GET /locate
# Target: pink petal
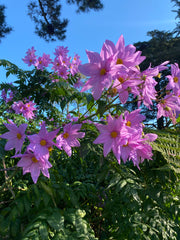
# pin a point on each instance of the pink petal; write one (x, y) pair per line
(35, 172)
(67, 149)
(89, 69)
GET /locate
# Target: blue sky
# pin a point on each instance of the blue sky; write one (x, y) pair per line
(131, 18)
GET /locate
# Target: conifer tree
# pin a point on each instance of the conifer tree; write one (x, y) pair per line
(4, 28)
(46, 14)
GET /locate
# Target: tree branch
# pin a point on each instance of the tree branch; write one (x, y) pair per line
(43, 13)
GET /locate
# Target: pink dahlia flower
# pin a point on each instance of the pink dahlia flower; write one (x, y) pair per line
(30, 163)
(68, 138)
(110, 136)
(15, 136)
(99, 70)
(30, 57)
(42, 142)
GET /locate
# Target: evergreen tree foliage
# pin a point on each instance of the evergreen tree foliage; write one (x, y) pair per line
(177, 5)
(4, 29)
(47, 16)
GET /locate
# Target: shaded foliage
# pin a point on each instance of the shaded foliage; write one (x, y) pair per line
(177, 5)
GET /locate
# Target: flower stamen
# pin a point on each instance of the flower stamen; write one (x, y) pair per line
(65, 135)
(114, 134)
(121, 80)
(103, 71)
(128, 124)
(19, 136)
(125, 145)
(43, 142)
(119, 61)
(34, 159)
(175, 79)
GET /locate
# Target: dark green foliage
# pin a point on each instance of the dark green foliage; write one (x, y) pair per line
(4, 29)
(86, 5)
(168, 143)
(162, 46)
(47, 16)
(177, 5)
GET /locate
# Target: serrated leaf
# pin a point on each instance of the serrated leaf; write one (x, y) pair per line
(47, 188)
(43, 231)
(15, 227)
(56, 220)
(27, 204)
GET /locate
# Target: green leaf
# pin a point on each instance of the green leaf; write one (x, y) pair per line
(27, 204)
(56, 220)
(43, 231)
(15, 227)
(178, 119)
(101, 107)
(2, 145)
(47, 188)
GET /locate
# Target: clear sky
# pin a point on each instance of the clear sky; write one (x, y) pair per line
(131, 18)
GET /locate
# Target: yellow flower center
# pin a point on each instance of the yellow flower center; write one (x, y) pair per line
(167, 108)
(144, 77)
(137, 66)
(128, 124)
(65, 135)
(114, 134)
(159, 75)
(34, 159)
(121, 80)
(119, 61)
(50, 149)
(114, 91)
(43, 142)
(103, 71)
(40, 62)
(125, 145)
(163, 101)
(175, 79)
(19, 136)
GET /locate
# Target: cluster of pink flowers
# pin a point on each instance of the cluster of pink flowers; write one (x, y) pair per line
(169, 106)
(116, 70)
(26, 109)
(62, 65)
(124, 136)
(35, 159)
(7, 96)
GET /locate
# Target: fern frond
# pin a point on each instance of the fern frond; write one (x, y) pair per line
(168, 143)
